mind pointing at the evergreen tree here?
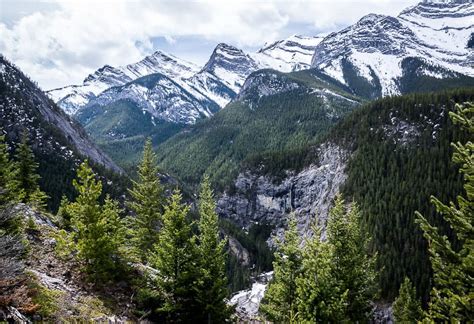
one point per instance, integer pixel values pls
(212, 281)
(63, 217)
(9, 186)
(453, 268)
(97, 229)
(352, 266)
(321, 298)
(407, 307)
(338, 281)
(147, 204)
(27, 174)
(174, 258)
(279, 304)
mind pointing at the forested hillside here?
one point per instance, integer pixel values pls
(401, 154)
(275, 112)
(58, 142)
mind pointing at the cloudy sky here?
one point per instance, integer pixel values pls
(59, 42)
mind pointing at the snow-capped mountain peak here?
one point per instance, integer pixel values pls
(231, 65)
(71, 98)
(291, 54)
(377, 48)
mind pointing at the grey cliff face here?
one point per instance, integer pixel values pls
(308, 194)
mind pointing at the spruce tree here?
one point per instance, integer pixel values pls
(338, 280)
(97, 228)
(352, 265)
(211, 287)
(9, 186)
(27, 174)
(279, 304)
(174, 258)
(320, 297)
(407, 307)
(453, 268)
(147, 200)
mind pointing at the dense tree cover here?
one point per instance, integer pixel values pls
(175, 259)
(185, 278)
(121, 128)
(352, 265)
(27, 176)
(19, 176)
(9, 185)
(190, 280)
(391, 175)
(451, 297)
(219, 145)
(407, 306)
(146, 202)
(327, 280)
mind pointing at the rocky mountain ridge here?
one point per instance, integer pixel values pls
(217, 83)
(376, 48)
(25, 107)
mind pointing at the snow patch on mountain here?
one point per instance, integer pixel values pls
(71, 98)
(291, 54)
(217, 83)
(376, 46)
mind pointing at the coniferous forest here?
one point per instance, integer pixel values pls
(326, 178)
(174, 255)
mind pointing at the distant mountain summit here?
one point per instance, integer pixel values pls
(432, 39)
(288, 55)
(198, 92)
(71, 98)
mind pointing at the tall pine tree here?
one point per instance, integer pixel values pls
(211, 286)
(147, 200)
(279, 304)
(453, 268)
(9, 186)
(352, 265)
(338, 280)
(27, 174)
(407, 306)
(321, 298)
(97, 228)
(174, 258)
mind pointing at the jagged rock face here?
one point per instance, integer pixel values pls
(287, 55)
(237, 250)
(265, 83)
(71, 98)
(376, 47)
(161, 97)
(24, 106)
(230, 65)
(308, 194)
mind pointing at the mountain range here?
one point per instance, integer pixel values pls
(363, 112)
(378, 56)
(199, 92)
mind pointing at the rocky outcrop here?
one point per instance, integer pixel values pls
(247, 302)
(65, 291)
(308, 194)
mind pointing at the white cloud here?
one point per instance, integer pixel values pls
(62, 45)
